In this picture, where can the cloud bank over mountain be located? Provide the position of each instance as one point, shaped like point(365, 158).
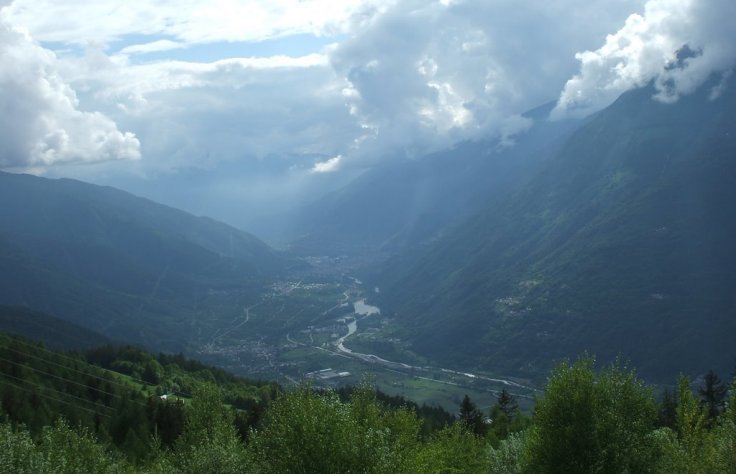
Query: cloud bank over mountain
point(194, 84)
point(424, 75)
point(678, 44)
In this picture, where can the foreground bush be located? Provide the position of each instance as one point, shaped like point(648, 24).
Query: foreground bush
point(59, 450)
point(588, 422)
point(309, 432)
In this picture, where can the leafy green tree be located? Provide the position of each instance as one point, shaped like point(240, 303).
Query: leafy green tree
point(152, 372)
point(453, 450)
point(590, 422)
point(730, 411)
point(691, 417)
point(210, 442)
point(308, 432)
point(725, 435)
point(59, 449)
point(691, 447)
point(507, 457)
point(66, 450)
point(17, 451)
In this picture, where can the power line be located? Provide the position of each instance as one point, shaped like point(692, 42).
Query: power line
point(111, 381)
point(72, 359)
point(70, 381)
point(63, 356)
point(74, 382)
point(57, 400)
point(73, 369)
point(57, 391)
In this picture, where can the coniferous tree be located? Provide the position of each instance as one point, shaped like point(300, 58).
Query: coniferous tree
point(168, 417)
point(503, 413)
point(713, 394)
point(507, 403)
point(668, 409)
point(472, 417)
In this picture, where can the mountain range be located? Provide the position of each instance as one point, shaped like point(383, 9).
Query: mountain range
point(621, 244)
point(118, 264)
point(409, 201)
point(612, 235)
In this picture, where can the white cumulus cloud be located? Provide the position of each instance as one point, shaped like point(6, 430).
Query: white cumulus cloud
point(196, 114)
point(41, 123)
point(327, 166)
point(426, 74)
point(402, 78)
point(646, 49)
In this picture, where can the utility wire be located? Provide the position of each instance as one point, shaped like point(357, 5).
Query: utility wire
point(72, 359)
point(57, 391)
point(57, 400)
point(70, 381)
point(63, 356)
point(121, 384)
point(73, 382)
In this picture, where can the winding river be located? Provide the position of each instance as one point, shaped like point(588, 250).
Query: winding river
point(366, 310)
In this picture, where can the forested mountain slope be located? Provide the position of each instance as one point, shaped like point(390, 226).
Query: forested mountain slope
point(406, 202)
point(115, 393)
point(54, 332)
point(103, 411)
point(116, 263)
point(622, 245)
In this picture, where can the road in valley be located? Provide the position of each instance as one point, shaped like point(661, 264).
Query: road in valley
point(368, 311)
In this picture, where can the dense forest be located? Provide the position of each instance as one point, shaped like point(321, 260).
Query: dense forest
point(120, 409)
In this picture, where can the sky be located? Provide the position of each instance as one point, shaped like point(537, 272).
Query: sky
point(267, 102)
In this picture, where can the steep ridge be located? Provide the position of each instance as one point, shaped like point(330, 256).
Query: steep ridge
point(116, 263)
point(54, 332)
point(621, 245)
point(406, 202)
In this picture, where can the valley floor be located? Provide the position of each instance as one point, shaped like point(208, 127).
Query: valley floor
point(323, 328)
